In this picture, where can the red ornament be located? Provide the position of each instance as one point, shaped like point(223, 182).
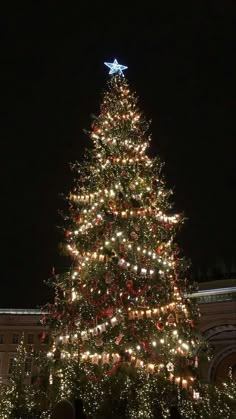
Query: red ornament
point(109, 312)
point(160, 325)
point(129, 283)
point(67, 233)
point(159, 250)
point(95, 128)
point(122, 248)
point(111, 203)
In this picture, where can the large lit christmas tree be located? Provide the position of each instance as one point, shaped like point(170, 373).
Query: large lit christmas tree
point(123, 325)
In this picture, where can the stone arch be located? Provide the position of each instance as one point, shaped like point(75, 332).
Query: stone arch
point(206, 326)
point(211, 332)
point(221, 357)
point(225, 357)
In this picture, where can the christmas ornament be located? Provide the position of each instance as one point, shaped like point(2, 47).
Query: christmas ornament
point(150, 368)
point(120, 318)
point(114, 321)
point(98, 341)
point(94, 359)
point(116, 358)
point(84, 336)
point(108, 278)
point(136, 227)
point(159, 250)
point(111, 203)
point(101, 328)
point(119, 339)
point(129, 283)
point(143, 272)
point(109, 312)
point(105, 358)
point(160, 325)
point(170, 366)
point(121, 247)
point(122, 263)
point(154, 227)
point(171, 319)
point(133, 235)
point(138, 363)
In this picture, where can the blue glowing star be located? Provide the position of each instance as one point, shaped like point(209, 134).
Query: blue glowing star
point(116, 68)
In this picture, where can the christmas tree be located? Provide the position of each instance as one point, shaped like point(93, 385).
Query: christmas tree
point(123, 325)
point(17, 397)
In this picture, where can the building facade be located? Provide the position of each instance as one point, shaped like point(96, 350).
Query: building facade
point(217, 303)
point(15, 324)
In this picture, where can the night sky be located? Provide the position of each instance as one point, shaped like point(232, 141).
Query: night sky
point(181, 64)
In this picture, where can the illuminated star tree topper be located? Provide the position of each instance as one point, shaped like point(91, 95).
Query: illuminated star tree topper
point(115, 67)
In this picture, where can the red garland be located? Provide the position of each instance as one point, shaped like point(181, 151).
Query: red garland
point(109, 372)
point(138, 292)
point(144, 342)
point(103, 300)
point(132, 291)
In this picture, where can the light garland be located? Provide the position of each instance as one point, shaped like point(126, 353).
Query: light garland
point(132, 315)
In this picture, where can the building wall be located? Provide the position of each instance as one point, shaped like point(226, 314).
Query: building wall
point(14, 324)
point(217, 303)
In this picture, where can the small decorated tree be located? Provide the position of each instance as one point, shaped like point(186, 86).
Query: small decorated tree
point(17, 396)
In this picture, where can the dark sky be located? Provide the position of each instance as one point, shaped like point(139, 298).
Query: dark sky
point(181, 64)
